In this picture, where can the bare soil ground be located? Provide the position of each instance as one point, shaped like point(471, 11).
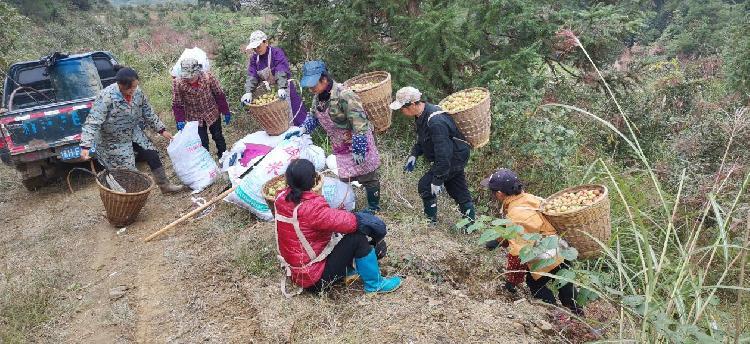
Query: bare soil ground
point(67, 276)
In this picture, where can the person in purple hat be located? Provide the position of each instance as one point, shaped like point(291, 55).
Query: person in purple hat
point(521, 208)
point(269, 65)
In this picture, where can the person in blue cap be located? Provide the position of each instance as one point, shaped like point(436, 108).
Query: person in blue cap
point(339, 111)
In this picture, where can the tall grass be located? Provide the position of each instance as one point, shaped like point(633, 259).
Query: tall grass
point(668, 268)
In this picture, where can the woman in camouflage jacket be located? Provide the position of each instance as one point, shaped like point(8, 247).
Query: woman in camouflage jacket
point(113, 126)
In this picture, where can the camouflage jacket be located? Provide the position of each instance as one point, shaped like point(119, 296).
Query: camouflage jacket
point(346, 109)
point(114, 126)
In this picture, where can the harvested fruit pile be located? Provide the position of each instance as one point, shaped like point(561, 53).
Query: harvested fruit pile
point(364, 86)
point(571, 201)
point(265, 99)
point(463, 100)
point(276, 187)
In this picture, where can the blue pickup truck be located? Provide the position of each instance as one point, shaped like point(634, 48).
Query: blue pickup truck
point(44, 105)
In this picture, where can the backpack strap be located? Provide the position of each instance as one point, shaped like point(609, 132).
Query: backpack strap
point(314, 258)
point(440, 112)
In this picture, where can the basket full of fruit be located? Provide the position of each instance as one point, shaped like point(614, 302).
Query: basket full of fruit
point(470, 109)
point(272, 188)
point(374, 90)
point(272, 113)
point(579, 210)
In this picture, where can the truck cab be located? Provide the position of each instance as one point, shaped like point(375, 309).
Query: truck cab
point(45, 104)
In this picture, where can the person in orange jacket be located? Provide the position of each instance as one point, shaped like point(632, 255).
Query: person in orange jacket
point(522, 209)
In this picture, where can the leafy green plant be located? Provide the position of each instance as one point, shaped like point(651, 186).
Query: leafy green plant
point(661, 266)
point(537, 244)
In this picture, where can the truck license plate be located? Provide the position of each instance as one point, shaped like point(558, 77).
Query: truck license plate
point(70, 153)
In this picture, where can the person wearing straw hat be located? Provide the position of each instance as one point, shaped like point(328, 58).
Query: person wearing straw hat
point(114, 127)
point(197, 96)
point(521, 208)
point(269, 66)
point(442, 144)
point(339, 111)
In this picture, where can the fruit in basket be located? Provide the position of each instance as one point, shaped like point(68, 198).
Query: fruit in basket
point(363, 86)
point(265, 99)
point(276, 187)
point(463, 100)
point(572, 201)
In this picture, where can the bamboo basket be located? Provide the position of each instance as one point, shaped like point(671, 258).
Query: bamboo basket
point(273, 117)
point(270, 199)
point(593, 219)
point(474, 122)
point(123, 207)
point(376, 99)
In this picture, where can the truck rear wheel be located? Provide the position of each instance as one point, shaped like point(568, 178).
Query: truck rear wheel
point(34, 183)
point(36, 175)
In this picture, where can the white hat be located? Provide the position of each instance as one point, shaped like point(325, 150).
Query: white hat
point(405, 96)
point(256, 38)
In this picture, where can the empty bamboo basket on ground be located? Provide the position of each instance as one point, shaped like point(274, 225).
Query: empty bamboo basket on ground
point(474, 122)
point(374, 90)
point(593, 219)
point(270, 196)
point(273, 117)
point(123, 207)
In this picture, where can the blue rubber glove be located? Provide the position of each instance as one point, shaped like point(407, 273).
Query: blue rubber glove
point(410, 163)
point(310, 123)
point(292, 134)
point(359, 148)
point(227, 118)
point(180, 125)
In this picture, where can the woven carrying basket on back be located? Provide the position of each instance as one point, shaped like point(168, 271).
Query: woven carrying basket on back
point(123, 207)
point(273, 117)
point(375, 100)
point(592, 219)
point(475, 122)
point(271, 198)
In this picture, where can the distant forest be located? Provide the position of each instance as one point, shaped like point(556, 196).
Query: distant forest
point(149, 2)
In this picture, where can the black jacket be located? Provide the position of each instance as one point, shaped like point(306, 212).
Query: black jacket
point(439, 140)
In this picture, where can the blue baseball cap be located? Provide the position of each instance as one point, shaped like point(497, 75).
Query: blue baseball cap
point(311, 72)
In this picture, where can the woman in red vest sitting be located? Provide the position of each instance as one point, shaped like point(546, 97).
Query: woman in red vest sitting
point(317, 244)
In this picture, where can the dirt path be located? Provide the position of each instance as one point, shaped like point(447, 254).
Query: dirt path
point(150, 288)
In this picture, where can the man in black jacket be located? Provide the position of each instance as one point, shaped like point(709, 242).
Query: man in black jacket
point(440, 142)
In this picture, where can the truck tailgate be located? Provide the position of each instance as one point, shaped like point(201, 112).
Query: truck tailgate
point(42, 129)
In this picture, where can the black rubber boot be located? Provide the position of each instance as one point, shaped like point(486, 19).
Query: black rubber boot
point(430, 209)
point(468, 212)
point(373, 199)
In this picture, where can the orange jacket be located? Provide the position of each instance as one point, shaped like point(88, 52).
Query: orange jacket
point(522, 209)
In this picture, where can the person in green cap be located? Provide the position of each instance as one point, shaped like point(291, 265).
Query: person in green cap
point(339, 111)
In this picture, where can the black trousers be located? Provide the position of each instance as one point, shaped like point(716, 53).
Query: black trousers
point(352, 246)
point(216, 134)
point(369, 181)
point(567, 293)
point(150, 156)
point(455, 185)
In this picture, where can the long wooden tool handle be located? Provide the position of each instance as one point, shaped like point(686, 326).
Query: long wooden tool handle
point(221, 196)
point(191, 214)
